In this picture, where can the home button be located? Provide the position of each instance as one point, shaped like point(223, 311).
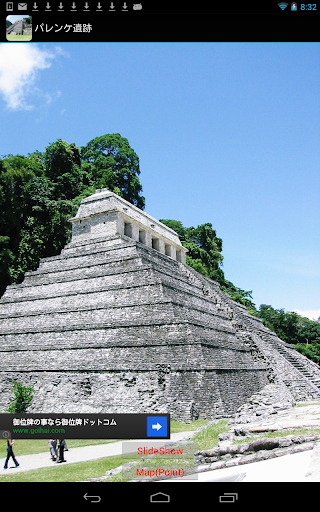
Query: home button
point(160, 497)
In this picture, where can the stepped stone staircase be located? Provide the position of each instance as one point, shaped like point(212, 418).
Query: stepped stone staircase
point(119, 323)
point(20, 27)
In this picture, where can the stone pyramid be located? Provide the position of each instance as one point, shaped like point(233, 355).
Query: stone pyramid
point(118, 323)
point(19, 27)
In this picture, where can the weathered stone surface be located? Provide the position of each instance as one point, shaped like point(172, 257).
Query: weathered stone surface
point(117, 322)
point(20, 27)
point(261, 449)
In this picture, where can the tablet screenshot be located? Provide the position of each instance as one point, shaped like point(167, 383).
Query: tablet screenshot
point(159, 253)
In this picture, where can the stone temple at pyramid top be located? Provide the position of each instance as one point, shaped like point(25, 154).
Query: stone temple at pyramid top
point(106, 214)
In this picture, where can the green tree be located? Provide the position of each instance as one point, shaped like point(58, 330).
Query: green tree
point(6, 259)
point(41, 191)
point(290, 326)
point(204, 256)
point(22, 398)
point(310, 351)
point(33, 223)
point(308, 331)
point(16, 173)
point(111, 163)
point(63, 168)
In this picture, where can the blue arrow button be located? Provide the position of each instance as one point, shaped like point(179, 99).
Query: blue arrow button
point(157, 426)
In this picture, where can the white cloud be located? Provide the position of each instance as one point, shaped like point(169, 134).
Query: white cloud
point(61, 51)
point(312, 314)
point(19, 68)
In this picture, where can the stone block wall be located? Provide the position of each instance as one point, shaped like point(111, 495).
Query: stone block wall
point(112, 324)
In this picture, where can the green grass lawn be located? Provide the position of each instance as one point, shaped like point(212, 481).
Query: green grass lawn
point(177, 426)
point(76, 472)
point(19, 38)
point(209, 437)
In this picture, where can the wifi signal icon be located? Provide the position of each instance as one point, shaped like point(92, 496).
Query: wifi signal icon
point(283, 5)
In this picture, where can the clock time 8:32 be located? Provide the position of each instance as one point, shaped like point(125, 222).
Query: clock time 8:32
point(308, 7)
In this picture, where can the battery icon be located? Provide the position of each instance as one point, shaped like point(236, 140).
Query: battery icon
point(294, 6)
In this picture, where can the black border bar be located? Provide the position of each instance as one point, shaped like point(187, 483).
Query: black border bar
point(140, 7)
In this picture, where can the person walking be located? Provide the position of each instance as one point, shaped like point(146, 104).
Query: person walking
point(62, 447)
point(53, 449)
point(10, 454)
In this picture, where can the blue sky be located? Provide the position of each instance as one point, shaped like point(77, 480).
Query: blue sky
point(226, 133)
